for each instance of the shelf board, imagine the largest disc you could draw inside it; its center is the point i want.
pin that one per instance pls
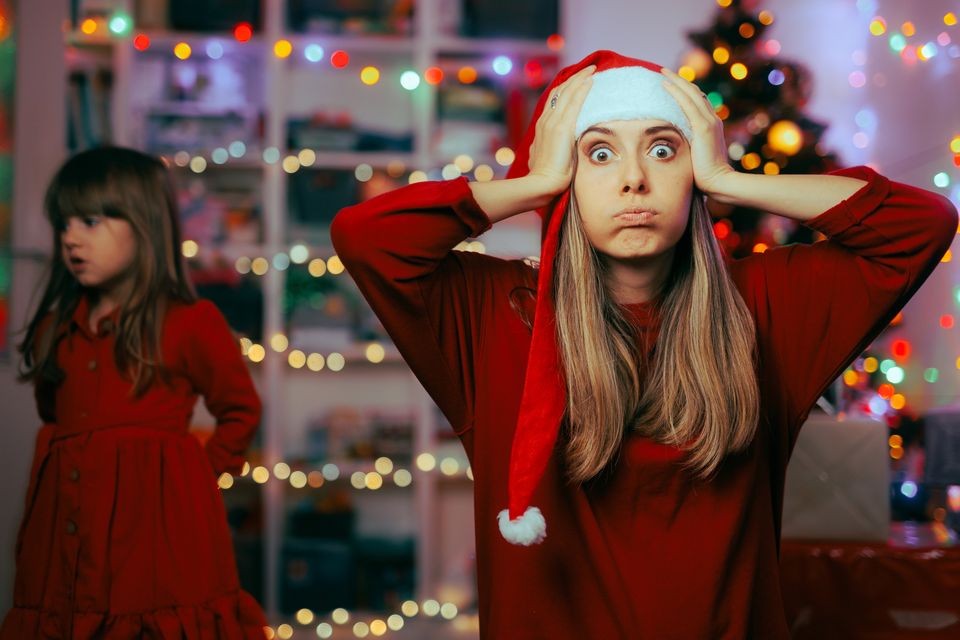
(492, 46)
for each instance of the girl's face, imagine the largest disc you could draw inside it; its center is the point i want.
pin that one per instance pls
(633, 187)
(98, 250)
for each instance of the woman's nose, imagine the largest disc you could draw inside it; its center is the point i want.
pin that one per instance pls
(633, 179)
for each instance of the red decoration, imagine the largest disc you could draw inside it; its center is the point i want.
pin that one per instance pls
(340, 59)
(243, 32)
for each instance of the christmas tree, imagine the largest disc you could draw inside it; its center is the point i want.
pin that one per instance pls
(760, 99)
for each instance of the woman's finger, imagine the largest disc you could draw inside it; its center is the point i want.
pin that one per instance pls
(690, 93)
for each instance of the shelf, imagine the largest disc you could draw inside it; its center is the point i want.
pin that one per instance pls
(492, 46)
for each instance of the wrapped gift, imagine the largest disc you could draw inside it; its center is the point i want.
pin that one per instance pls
(838, 481)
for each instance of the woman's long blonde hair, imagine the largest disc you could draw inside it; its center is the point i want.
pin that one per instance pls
(697, 390)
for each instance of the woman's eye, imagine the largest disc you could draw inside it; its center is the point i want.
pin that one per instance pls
(601, 154)
(91, 221)
(663, 151)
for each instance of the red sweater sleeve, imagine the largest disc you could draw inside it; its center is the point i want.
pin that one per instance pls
(398, 249)
(217, 371)
(819, 306)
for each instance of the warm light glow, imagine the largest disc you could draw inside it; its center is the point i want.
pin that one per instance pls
(766, 18)
(750, 161)
(505, 156)
(89, 26)
(721, 55)
(317, 267)
(282, 48)
(256, 353)
(738, 71)
(426, 462)
(279, 342)
(190, 249)
(878, 26)
(467, 75)
(687, 73)
(375, 353)
(260, 475)
(370, 75)
(182, 50)
(297, 359)
(897, 401)
(786, 137)
(225, 481)
(908, 29)
(315, 362)
(334, 265)
(555, 42)
(760, 247)
(747, 30)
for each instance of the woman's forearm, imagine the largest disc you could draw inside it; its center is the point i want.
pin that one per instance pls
(501, 199)
(800, 197)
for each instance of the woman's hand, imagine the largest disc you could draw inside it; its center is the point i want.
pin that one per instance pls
(552, 150)
(708, 149)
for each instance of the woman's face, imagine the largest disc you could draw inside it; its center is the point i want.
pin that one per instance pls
(633, 186)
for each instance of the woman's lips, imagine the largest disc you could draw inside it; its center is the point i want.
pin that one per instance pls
(635, 218)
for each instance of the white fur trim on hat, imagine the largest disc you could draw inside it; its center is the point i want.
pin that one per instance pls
(630, 93)
(528, 529)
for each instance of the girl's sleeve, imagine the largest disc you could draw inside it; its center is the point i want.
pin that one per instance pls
(398, 249)
(217, 371)
(821, 305)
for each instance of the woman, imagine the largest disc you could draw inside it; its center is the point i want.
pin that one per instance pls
(649, 411)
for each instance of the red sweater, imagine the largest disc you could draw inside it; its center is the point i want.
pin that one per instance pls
(653, 553)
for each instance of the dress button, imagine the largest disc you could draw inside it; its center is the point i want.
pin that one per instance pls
(74, 474)
(71, 526)
(92, 365)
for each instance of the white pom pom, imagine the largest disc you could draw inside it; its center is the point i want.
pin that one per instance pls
(528, 529)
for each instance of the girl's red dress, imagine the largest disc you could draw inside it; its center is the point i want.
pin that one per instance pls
(124, 533)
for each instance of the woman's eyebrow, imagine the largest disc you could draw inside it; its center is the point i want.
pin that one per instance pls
(660, 129)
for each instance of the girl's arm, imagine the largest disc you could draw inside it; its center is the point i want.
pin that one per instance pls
(218, 372)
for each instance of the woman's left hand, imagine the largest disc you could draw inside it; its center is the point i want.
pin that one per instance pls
(708, 149)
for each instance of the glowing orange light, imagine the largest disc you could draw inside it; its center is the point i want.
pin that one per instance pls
(760, 247)
(886, 390)
(433, 75)
(467, 75)
(555, 42)
(141, 43)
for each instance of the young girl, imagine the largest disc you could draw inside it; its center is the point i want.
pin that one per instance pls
(633, 401)
(124, 534)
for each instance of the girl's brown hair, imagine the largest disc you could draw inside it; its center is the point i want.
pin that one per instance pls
(120, 183)
(698, 390)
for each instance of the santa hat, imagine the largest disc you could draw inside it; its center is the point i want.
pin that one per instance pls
(623, 89)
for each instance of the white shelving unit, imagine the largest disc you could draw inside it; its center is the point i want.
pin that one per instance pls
(425, 48)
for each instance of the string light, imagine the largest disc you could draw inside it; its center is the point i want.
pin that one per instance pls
(340, 59)
(243, 32)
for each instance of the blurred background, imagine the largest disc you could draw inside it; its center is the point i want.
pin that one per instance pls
(353, 516)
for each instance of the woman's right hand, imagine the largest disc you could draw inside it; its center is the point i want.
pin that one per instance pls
(552, 150)
(551, 156)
